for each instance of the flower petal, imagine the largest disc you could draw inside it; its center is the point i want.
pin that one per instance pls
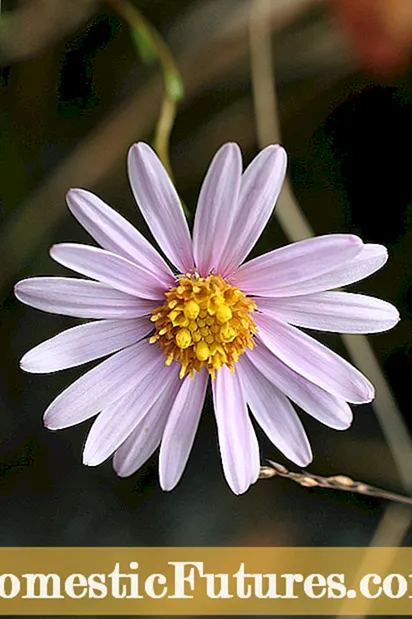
(109, 269)
(289, 271)
(239, 448)
(216, 208)
(180, 429)
(101, 386)
(342, 312)
(117, 421)
(320, 404)
(84, 343)
(114, 233)
(275, 414)
(160, 205)
(260, 187)
(146, 437)
(371, 258)
(80, 298)
(314, 361)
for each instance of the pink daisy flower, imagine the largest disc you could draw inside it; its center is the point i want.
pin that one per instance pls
(169, 328)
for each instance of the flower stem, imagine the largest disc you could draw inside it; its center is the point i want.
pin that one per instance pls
(152, 46)
(163, 130)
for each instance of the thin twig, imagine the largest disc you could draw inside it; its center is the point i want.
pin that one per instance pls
(335, 482)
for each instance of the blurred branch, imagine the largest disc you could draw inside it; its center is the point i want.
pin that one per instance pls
(335, 482)
(262, 68)
(297, 227)
(38, 24)
(391, 531)
(143, 31)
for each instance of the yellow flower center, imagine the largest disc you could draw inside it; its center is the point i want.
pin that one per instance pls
(205, 322)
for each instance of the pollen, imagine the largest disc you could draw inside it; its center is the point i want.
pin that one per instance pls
(204, 322)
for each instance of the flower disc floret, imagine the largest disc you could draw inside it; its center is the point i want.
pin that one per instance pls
(205, 322)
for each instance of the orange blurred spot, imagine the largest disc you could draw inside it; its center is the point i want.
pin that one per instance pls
(379, 31)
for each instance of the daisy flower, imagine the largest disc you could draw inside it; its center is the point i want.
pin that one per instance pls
(171, 322)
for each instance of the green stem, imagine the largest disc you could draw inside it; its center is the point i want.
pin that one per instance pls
(173, 87)
(163, 130)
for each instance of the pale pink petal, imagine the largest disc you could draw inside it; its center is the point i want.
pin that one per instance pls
(181, 428)
(260, 187)
(274, 413)
(216, 207)
(80, 298)
(117, 421)
(114, 233)
(320, 404)
(101, 386)
(84, 343)
(314, 361)
(109, 269)
(370, 259)
(146, 437)
(342, 312)
(238, 445)
(289, 271)
(160, 205)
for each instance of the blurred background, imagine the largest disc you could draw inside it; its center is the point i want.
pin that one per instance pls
(74, 95)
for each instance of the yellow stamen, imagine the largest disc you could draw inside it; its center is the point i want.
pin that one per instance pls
(204, 322)
(227, 333)
(202, 351)
(224, 313)
(183, 338)
(191, 310)
(173, 316)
